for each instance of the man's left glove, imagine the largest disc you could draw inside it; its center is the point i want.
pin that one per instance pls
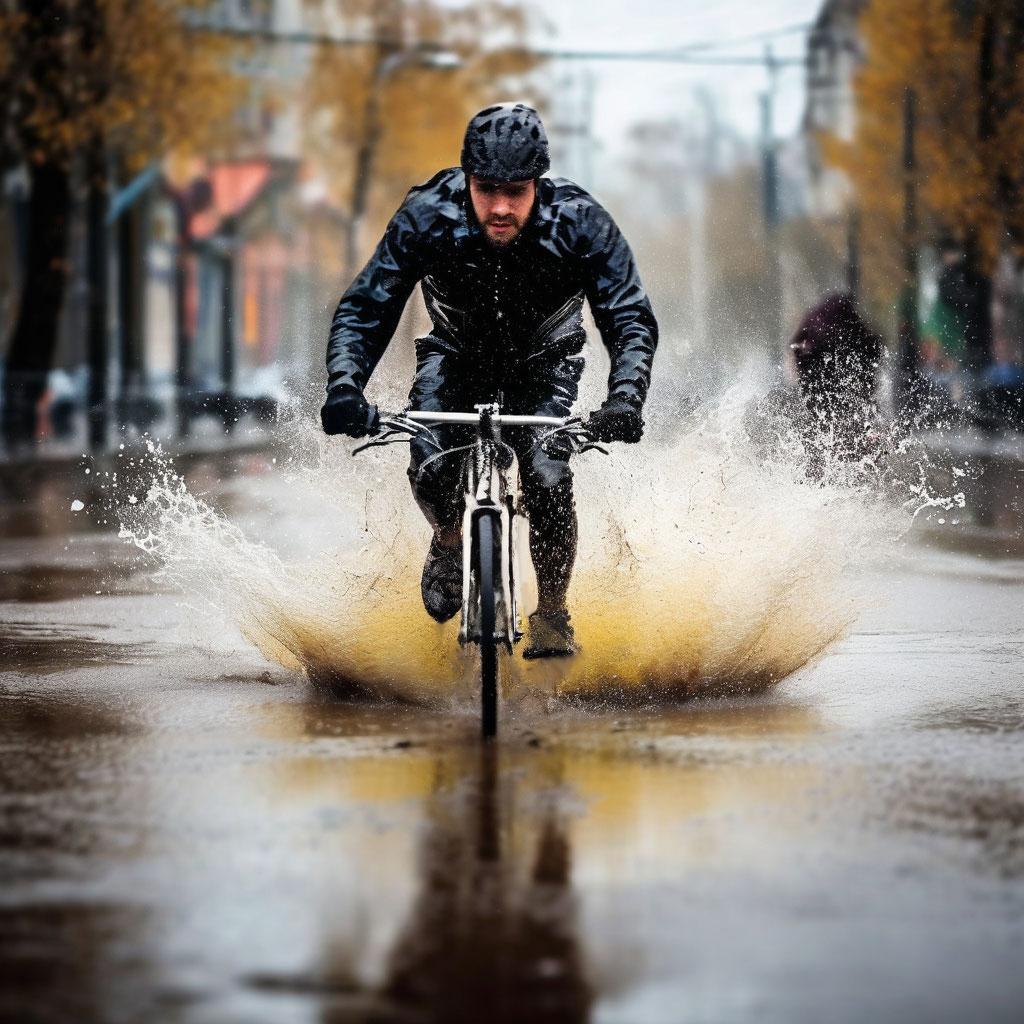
(347, 412)
(616, 420)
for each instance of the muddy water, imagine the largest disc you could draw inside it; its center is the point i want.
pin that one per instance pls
(712, 563)
(191, 832)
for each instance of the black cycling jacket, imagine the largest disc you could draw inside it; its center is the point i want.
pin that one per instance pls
(505, 314)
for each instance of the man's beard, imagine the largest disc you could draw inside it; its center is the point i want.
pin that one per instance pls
(513, 230)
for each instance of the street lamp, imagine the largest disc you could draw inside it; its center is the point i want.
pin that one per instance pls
(421, 56)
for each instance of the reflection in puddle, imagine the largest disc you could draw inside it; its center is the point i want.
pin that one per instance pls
(61, 583)
(66, 962)
(987, 816)
(43, 650)
(511, 840)
(1005, 715)
(494, 924)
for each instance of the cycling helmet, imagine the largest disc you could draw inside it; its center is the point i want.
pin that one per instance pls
(506, 142)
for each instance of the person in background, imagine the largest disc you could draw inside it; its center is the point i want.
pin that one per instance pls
(836, 355)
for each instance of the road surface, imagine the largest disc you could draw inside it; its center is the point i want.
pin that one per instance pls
(190, 833)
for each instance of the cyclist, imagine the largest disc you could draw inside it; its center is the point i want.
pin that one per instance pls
(505, 258)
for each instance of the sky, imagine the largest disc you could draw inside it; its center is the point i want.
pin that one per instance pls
(627, 91)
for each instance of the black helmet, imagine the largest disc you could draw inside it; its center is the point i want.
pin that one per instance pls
(506, 142)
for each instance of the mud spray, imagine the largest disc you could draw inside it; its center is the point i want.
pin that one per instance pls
(709, 563)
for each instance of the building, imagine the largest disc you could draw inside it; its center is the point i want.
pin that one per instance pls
(834, 53)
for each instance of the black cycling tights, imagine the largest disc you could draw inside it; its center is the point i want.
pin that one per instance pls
(547, 491)
(553, 533)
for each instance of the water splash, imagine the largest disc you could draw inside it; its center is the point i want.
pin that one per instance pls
(711, 561)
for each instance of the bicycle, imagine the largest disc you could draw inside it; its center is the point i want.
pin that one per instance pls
(490, 570)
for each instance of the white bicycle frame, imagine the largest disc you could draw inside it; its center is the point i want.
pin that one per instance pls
(487, 492)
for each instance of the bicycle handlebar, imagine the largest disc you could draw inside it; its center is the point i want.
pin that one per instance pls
(402, 426)
(499, 419)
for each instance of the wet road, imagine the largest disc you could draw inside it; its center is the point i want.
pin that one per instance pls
(188, 833)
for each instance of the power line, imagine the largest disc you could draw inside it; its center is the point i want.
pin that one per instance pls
(797, 28)
(678, 55)
(661, 56)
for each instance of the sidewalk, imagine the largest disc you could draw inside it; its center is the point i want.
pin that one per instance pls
(50, 458)
(972, 443)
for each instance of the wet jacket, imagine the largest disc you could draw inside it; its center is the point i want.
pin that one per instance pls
(505, 314)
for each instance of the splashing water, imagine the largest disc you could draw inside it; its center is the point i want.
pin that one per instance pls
(710, 563)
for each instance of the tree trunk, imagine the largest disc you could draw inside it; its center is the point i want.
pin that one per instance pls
(34, 338)
(363, 170)
(977, 310)
(98, 323)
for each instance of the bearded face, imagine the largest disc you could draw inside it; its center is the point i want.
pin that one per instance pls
(501, 207)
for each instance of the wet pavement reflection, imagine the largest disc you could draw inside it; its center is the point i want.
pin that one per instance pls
(190, 834)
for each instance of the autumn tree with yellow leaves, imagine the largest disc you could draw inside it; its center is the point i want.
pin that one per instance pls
(963, 61)
(86, 85)
(388, 113)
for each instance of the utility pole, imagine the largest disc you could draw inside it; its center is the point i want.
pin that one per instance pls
(182, 337)
(227, 323)
(386, 64)
(703, 167)
(770, 199)
(97, 171)
(131, 293)
(907, 335)
(586, 131)
(389, 61)
(98, 256)
(853, 253)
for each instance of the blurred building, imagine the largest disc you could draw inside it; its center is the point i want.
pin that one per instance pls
(834, 52)
(185, 238)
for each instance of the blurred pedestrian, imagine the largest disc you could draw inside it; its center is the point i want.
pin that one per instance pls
(836, 355)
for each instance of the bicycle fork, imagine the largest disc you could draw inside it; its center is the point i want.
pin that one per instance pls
(482, 499)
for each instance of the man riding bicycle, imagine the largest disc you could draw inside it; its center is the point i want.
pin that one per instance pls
(505, 258)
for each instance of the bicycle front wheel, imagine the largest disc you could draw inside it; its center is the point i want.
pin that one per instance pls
(487, 531)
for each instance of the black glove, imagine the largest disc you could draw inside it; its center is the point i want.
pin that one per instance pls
(347, 412)
(616, 420)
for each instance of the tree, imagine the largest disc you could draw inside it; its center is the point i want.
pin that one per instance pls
(88, 84)
(387, 114)
(962, 61)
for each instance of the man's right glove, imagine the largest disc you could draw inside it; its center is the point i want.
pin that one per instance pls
(347, 412)
(616, 420)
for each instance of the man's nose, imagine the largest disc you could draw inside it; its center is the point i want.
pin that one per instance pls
(501, 207)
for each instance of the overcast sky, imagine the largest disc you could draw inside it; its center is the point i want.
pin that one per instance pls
(627, 91)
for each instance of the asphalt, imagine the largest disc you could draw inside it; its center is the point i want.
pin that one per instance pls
(192, 833)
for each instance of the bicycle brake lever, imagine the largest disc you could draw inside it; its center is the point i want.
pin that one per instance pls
(378, 444)
(402, 425)
(399, 422)
(382, 441)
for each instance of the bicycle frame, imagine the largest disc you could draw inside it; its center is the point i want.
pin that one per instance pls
(490, 593)
(488, 491)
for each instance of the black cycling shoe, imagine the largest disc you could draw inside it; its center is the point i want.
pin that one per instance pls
(550, 635)
(441, 585)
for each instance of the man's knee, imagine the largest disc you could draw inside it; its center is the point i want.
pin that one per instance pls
(546, 480)
(435, 483)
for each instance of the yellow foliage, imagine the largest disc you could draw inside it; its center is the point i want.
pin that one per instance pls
(966, 176)
(409, 108)
(127, 72)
